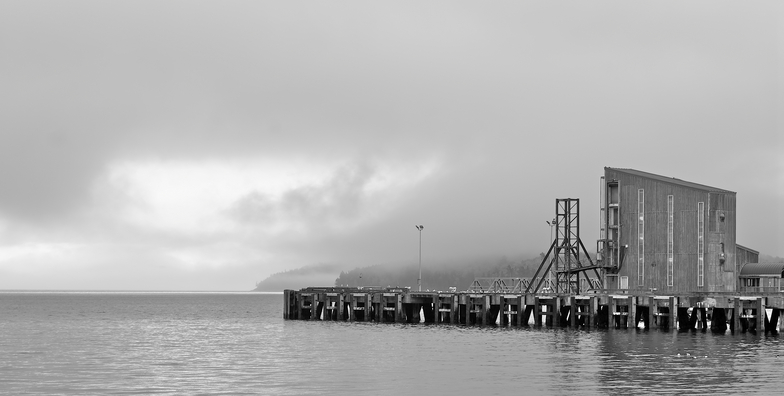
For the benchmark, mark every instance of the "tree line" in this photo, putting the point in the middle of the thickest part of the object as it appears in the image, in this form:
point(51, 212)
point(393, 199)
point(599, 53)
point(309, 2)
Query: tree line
point(440, 277)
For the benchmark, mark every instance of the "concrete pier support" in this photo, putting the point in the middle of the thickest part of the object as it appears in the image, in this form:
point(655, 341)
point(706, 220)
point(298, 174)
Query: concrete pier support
point(333, 305)
point(318, 306)
point(391, 308)
point(620, 311)
point(358, 307)
point(585, 311)
point(507, 310)
point(547, 307)
point(437, 307)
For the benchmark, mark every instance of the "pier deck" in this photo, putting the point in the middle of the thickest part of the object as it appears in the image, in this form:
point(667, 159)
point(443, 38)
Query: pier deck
point(602, 309)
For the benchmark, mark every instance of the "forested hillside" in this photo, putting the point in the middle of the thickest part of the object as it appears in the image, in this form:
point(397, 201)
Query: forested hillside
point(434, 276)
point(439, 277)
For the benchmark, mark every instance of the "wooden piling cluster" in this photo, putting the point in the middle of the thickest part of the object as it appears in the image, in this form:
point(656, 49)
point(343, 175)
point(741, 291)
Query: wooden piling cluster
point(757, 314)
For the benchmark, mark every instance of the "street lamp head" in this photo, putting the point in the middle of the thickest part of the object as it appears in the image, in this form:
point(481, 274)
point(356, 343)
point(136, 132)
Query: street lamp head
point(420, 227)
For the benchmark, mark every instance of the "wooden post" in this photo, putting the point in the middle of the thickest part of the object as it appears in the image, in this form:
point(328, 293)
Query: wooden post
point(651, 311)
point(286, 303)
point(382, 305)
point(631, 319)
point(736, 310)
point(537, 312)
point(761, 308)
point(503, 313)
point(573, 312)
point(455, 309)
point(352, 303)
point(673, 313)
point(781, 321)
point(704, 318)
point(520, 310)
point(379, 307)
point(612, 307)
point(321, 306)
point(300, 308)
point(342, 302)
point(399, 313)
point(436, 309)
point(314, 300)
point(368, 304)
point(486, 310)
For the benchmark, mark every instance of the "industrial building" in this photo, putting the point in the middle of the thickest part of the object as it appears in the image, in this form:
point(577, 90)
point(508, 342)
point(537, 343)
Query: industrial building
point(668, 235)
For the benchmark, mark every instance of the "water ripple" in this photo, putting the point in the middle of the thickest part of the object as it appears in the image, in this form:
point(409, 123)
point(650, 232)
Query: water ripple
point(137, 343)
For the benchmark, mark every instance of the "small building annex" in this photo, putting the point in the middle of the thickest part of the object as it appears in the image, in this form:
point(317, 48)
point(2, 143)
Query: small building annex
point(669, 235)
point(761, 278)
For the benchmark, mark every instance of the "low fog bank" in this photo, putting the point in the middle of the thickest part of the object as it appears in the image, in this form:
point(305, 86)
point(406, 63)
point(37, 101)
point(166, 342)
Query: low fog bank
point(435, 276)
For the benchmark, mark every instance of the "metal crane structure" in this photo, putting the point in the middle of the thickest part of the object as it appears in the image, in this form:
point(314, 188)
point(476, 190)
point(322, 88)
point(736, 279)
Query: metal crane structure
point(564, 257)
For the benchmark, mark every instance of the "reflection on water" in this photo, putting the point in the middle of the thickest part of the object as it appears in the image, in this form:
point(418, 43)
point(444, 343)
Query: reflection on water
point(179, 343)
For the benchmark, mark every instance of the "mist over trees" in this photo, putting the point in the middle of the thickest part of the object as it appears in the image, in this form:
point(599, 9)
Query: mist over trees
point(439, 276)
point(764, 258)
point(313, 275)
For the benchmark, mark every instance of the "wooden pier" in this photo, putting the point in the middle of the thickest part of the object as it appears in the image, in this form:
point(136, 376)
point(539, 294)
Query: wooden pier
point(759, 314)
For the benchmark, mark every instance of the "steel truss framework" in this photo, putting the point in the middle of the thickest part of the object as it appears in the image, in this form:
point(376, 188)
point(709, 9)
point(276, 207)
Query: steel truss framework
point(566, 261)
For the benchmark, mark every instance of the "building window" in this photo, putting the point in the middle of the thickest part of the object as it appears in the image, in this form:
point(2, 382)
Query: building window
point(624, 282)
point(670, 244)
point(641, 237)
point(700, 244)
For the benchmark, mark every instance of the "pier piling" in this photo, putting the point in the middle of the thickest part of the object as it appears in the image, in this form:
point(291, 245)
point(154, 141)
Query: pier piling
point(624, 311)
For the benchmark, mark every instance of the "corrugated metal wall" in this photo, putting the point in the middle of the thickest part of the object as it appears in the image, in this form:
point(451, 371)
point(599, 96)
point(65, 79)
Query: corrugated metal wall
point(717, 276)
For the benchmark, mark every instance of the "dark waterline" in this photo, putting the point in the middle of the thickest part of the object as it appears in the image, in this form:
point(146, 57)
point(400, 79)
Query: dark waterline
point(238, 343)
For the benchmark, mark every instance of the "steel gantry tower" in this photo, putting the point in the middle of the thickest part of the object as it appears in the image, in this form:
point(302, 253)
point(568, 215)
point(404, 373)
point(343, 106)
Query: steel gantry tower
point(567, 255)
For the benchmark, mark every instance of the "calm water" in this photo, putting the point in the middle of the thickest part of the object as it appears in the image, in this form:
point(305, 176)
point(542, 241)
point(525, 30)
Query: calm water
point(237, 343)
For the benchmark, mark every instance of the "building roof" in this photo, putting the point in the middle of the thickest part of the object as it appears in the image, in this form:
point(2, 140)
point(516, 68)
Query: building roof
point(672, 180)
point(750, 250)
point(755, 269)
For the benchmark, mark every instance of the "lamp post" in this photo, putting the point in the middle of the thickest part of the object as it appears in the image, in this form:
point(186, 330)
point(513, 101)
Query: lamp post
point(551, 224)
point(419, 281)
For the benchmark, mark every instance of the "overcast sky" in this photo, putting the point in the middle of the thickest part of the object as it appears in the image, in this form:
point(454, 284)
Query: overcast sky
point(205, 146)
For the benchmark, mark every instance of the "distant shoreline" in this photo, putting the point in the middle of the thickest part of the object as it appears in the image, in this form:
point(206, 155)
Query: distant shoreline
point(17, 291)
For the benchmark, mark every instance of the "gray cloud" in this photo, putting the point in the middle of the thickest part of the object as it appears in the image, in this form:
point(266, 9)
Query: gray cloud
point(341, 197)
point(525, 102)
